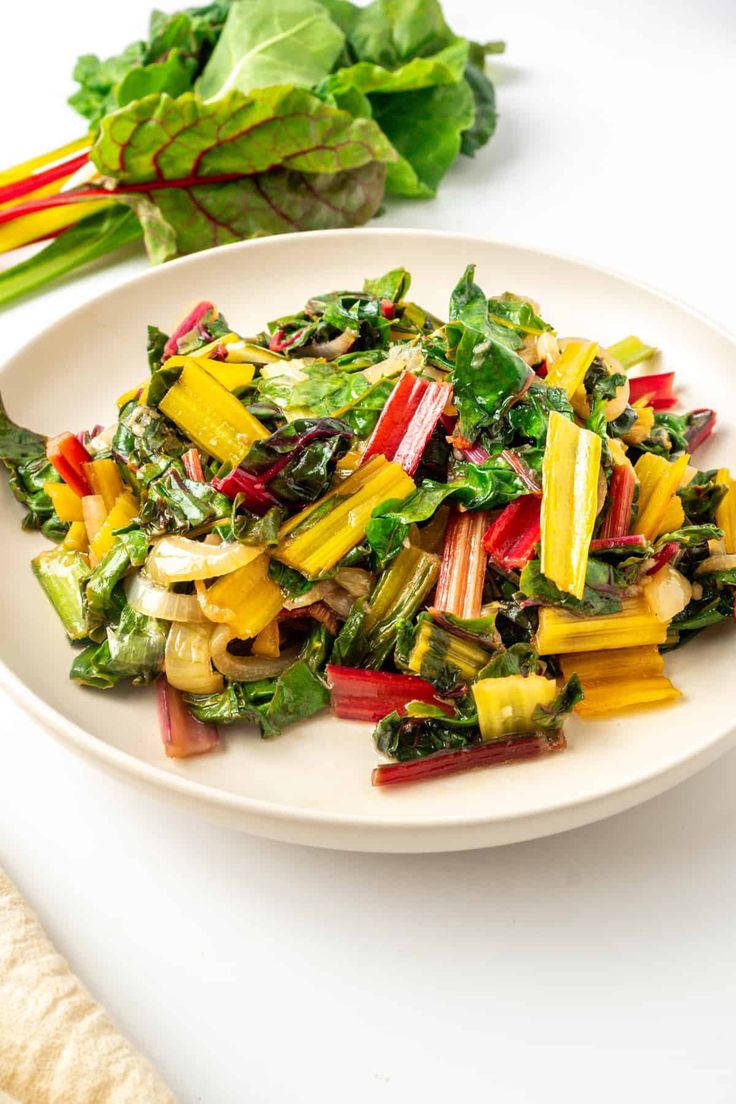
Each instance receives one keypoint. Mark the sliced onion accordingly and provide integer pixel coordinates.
(187, 659)
(182, 560)
(667, 593)
(724, 561)
(329, 350)
(548, 348)
(314, 594)
(248, 668)
(401, 358)
(145, 596)
(340, 601)
(355, 580)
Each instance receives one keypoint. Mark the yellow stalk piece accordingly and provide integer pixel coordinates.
(642, 427)
(658, 483)
(66, 502)
(570, 471)
(726, 510)
(104, 479)
(267, 643)
(568, 371)
(121, 515)
(630, 351)
(620, 679)
(616, 695)
(76, 537)
(674, 517)
(506, 705)
(140, 393)
(246, 600)
(232, 376)
(317, 538)
(617, 663)
(635, 625)
(210, 415)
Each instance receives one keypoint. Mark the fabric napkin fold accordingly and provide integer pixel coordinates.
(57, 1044)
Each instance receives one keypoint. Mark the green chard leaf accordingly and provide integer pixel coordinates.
(413, 737)
(593, 603)
(390, 32)
(23, 452)
(290, 162)
(265, 43)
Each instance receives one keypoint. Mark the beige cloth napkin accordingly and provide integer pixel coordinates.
(57, 1045)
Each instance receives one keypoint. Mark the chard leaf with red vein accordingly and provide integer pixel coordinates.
(279, 159)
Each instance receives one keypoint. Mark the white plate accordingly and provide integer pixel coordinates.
(312, 785)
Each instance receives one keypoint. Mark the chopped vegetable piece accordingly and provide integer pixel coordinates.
(192, 462)
(568, 371)
(655, 390)
(246, 599)
(658, 483)
(560, 631)
(210, 415)
(618, 695)
(121, 515)
(234, 377)
(104, 479)
(624, 663)
(726, 510)
(62, 574)
(667, 591)
(511, 538)
(617, 520)
(66, 502)
(506, 706)
(316, 539)
(69, 456)
(267, 643)
(570, 478)
(182, 735)
(444, 658)
(630, 351)
(480, 755)
(76, 537)
(421, 426)
(187, 661)
(370, 695)
(182, 560)
(395, 417)
(463, 566)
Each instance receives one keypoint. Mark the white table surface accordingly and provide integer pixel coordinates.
(595, 965)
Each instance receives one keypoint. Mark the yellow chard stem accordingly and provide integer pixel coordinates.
(568, 371)
(210, 415)
(658, 483)
(506, 705)
(316, 539)
(570, 471)
(636, 625)
(726, 510)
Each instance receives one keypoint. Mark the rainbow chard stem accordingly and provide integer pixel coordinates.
(532, 746)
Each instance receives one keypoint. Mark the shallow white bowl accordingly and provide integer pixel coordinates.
(312, 785)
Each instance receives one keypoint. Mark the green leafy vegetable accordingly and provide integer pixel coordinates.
(263, 43)
(263, 145)
(23, 453)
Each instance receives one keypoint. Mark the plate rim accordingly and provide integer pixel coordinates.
(204, 797)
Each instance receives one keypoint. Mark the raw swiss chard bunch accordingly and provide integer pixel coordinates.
(249, 117)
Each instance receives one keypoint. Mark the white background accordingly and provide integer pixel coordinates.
(596, 965)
